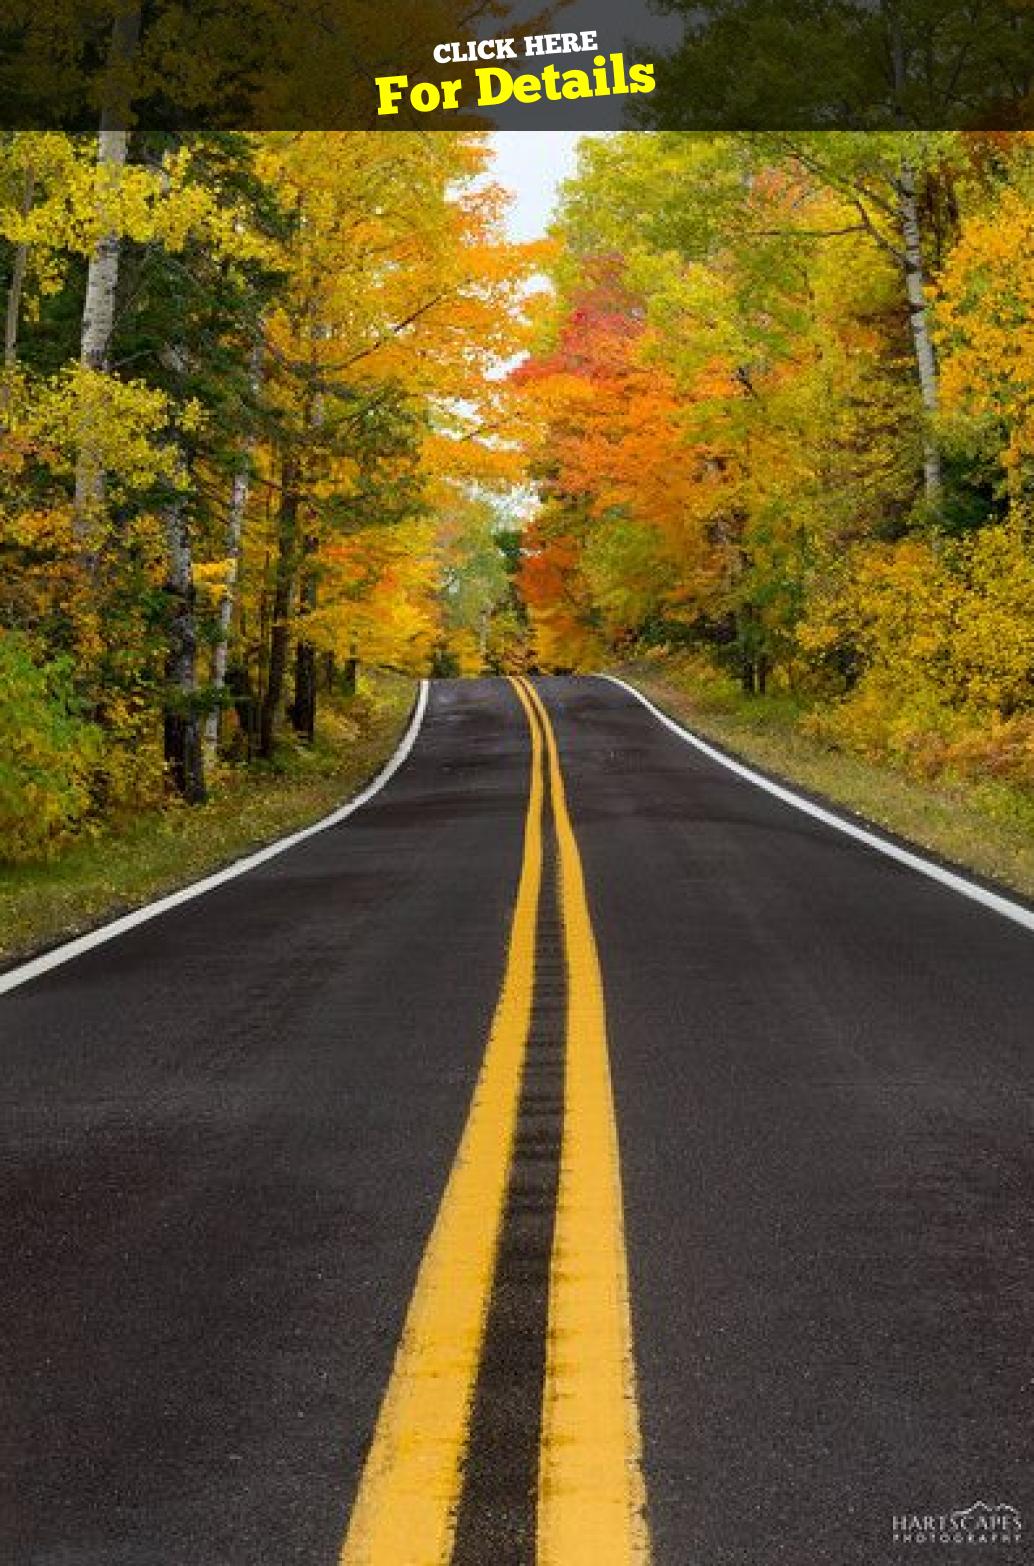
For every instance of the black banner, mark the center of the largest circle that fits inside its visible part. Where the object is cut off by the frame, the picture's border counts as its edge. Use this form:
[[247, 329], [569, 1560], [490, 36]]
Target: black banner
[[579, 65]]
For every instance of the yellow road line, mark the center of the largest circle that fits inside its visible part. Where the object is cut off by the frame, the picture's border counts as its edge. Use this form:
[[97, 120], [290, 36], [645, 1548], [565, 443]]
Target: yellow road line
[[591, 1490], [405, 1511]]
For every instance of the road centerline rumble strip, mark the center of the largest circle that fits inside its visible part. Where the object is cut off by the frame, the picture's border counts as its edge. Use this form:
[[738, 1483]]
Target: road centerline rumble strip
[[509, 1430]]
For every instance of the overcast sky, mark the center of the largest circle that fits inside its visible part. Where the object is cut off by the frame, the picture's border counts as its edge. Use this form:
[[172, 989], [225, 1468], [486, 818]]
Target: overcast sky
[[532, 165]]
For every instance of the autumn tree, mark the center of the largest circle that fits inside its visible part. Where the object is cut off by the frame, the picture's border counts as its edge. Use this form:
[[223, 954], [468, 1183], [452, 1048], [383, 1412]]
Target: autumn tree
[[402, 296], [296, 375], [783, 422]]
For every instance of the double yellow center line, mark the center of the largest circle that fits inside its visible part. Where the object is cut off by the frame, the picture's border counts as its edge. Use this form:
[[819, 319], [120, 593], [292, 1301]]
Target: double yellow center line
[[591, 1496]]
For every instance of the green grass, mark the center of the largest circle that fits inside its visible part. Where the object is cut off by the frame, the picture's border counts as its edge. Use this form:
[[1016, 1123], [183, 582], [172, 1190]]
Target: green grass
[[157, 851], [983, 827]]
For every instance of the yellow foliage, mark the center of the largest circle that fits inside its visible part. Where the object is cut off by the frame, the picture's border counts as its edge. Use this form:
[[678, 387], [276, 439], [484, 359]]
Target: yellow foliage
[[946, 641], [380, 598], [120, 419], [986, 326], [464, 650]]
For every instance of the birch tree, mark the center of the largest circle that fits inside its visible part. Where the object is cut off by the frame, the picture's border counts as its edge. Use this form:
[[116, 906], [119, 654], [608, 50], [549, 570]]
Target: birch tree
[[240, 490], [15, 289], [876, 176], [98, 317]]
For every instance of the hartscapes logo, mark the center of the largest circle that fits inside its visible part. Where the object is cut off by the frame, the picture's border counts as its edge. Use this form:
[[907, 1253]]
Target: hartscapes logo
[[977, 1524]]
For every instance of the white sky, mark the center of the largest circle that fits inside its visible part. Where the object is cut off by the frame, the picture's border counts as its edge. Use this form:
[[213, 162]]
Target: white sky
[[532, 164]]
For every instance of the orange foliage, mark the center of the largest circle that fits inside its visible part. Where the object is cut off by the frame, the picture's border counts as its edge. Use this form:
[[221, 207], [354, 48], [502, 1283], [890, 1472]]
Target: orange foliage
[[615, 453]]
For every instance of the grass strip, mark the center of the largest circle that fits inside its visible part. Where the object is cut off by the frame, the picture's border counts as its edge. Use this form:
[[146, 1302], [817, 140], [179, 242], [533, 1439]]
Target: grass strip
[[985, 828], [133, 861]]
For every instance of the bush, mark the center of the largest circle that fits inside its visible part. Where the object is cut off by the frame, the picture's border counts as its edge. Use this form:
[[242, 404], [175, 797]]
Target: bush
[[945, 644], [48, 753]]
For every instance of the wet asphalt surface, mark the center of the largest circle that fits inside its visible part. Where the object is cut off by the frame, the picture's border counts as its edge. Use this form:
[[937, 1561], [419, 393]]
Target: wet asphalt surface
[[224, 1137]]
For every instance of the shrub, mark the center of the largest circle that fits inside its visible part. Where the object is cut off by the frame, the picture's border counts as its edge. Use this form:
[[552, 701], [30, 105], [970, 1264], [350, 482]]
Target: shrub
[[48, 753]]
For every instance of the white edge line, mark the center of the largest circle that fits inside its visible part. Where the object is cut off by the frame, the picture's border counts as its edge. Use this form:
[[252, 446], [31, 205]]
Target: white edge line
[[108, 932], [956, 883]]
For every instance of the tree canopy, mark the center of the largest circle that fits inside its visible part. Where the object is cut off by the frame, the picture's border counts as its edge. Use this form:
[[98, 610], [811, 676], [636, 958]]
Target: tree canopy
[[782, 416]]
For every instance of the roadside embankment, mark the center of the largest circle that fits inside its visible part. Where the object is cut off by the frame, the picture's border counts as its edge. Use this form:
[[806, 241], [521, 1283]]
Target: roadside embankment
[[129, 863], [985, 827]]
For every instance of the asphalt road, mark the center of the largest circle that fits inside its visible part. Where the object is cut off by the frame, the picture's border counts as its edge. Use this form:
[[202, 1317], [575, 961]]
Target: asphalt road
[[227, 1139]]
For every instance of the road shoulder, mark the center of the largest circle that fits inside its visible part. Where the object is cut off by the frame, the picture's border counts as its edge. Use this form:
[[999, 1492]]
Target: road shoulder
[[952, 826], [163, 851]]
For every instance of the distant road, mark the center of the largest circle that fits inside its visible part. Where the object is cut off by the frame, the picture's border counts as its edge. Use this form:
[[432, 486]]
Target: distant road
[[577, 1157]]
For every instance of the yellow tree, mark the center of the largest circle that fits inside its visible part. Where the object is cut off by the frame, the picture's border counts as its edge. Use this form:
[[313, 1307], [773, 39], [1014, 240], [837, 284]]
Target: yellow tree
[[986, 322], [402, 299]]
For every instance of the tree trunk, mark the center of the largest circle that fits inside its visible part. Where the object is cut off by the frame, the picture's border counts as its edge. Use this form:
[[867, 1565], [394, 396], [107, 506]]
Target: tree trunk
[[102, 274], [12, 317], [350, 678], [14, 306], [97, 325], [919, 321], [303, 712], [183, 749], [239, 493], [98, 317], [220, 653], [238, 683], [747, 636], [283, 593]]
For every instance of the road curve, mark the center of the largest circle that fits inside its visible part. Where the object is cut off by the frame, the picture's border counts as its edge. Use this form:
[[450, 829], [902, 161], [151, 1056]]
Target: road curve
[[578, 1155]]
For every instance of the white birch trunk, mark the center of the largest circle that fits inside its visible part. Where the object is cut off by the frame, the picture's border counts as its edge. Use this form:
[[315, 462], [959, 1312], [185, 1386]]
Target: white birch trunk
[[13, 313], [98, 317], [919, 321], [220, 655], [14, 306], [97, 326], [102, 276], [183, 749], [234, 536]]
